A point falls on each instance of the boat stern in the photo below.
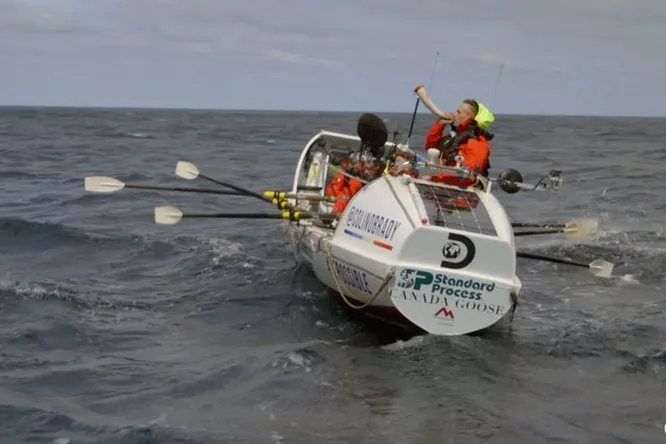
(455, 272)
(452, 283)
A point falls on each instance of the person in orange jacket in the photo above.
(469, 139)
(399, 158)
(343, 190)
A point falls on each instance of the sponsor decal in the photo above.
(443, 285)
(445, 313)
(481, 307)
(351, 276)
(422, 297)
(352, 234)
(433, 299)
(458, 252)
(372, 223)
(376, 243)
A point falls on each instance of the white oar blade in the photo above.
(167, 215)
(102, 184)
(601, 268)
(187, 170)
(581, 228)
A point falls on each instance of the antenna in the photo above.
(499, 76)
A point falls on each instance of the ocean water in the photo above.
(117, 330)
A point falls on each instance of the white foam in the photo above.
(28, 290)
(223, 248)
(416, 341)
(299, 360)
(277, 437)
(629, 278)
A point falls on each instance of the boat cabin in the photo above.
(445, 204)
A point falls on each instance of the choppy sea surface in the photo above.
(117, 330)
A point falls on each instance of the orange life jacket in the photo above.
(471, 142)
(343, 190)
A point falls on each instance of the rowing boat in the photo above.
(438, 256)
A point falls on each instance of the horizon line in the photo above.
(296, 111)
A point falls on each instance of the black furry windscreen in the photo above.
(372, 131)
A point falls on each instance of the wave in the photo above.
(26, 234)
(30, 424)
(121, 134)
(73, 294)
(8, 174)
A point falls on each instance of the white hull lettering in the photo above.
(463, 283)
(457, 292)
(423, 297)
(351, 277)
(480, 307)
(372, 223)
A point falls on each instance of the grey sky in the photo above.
(568, 56)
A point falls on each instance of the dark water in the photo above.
(116, 330)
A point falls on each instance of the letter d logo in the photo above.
(453, 250)
(422, 278)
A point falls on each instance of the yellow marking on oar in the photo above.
(281, 204)
(272, 195)
(293, 215)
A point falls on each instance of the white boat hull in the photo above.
(386, 252)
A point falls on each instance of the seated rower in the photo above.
(402, 163)
(364, 165)
(343, 190)
(345, 184)
(468, 139)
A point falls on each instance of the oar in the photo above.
(189, 171)
(575, 229)
(553, 225)
(168, 215)
(103, 184)
(598, 267)
(271, 196)
(536, 225)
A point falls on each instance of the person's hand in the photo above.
(446, 118)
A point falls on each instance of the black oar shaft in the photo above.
(285, 215)
(536, 232)
(536, 225)
(233, 187)
(283, 204)
(139, 186)
(241, 215)
(551, 259)
(142, 186)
